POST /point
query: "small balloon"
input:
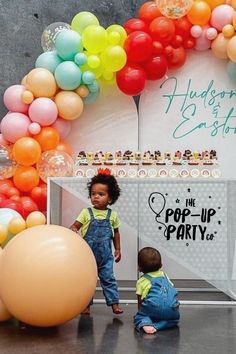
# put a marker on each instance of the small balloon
(35, 218)
(27, 97)
(80, 59)
(16, 225)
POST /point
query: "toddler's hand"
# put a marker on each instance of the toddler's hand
(117, 256)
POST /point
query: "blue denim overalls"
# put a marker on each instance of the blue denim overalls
(160, 308)
(99, 237)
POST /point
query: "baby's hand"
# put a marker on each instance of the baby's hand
(73, 228)
(117, 255)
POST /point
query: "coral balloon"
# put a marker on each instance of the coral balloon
(47, 264)
(55, 163)
(131, 79)
(13, 205)
(35, 218)
(70, 105)
(135, 24)
(174, 8)
(39, 196)
(12, 99)
(14, 126)
(25, 178)
(16, 225)
(5, 184)
(162, 29)
(26, 151)
(62, 146)
(28, 204)
(156, 67)
(63, 127)
(41, 83)
(48, 138)
(4, 313)
(43, 111)
(200, 13)
(148, 11)
(177, 59)
(138, 46)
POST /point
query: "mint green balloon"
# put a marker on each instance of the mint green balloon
(48, 60)
(68, 43)
(82, 20)
(68, 75)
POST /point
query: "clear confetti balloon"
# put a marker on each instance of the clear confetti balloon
(50, 33)
(174, 8)
(7, 165)
(55, 163)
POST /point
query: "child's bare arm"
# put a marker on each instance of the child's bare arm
(116, 242)
(139, 301)
(76, 226)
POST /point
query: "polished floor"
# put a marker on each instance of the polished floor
(203, 329)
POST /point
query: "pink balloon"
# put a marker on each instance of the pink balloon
(43, 111)
(221, 15)
(34, 128)
(211, 33)
(3, 141)
(12, 99)
(63, 127)
(196, 31)
(15, 126)
(202, 43)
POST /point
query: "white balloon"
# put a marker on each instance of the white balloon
(50, 33)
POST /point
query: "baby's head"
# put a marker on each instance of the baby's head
(108, 180)
(149, 260)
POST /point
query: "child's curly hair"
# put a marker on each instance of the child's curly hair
(149, 260)
(109, 180)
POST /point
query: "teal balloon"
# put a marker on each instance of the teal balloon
(68, 43)
(231, 70)
(80, 59)
(94, 87)
(92, 97)
(49, 61)
(88, 77)
(68, 75)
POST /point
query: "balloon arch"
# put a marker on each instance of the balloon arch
(77, 59)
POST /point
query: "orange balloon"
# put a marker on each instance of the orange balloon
(219, 46)
(48, 275)
(26, 151)
(26, 178)
(214, 3)
(62, 146)
(41, 83)
(200, 13)
(48, 138)
(70, 105)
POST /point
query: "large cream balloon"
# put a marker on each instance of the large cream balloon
(48, 275)
(4, 313)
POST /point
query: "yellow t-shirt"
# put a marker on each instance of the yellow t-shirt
(84, 218)
(143, 284)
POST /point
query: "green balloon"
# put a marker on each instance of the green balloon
(82, 20)
(68, 75)
(68, 43)
(49, 61)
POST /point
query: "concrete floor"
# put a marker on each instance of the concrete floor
(205, 329)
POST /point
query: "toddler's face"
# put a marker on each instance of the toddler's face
(99, 196)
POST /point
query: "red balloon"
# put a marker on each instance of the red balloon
(189, 43)
(2, 199)
(15, 205)
(138, 46)
(28, 205)
(177, 41)
(162, 29)
(135, 24)
(148, 11)
(156, 67)
(131, 79)
(39, 195)
(183, 27)
(168, 51)
(12, 191)
(177, 59)
(5, 184)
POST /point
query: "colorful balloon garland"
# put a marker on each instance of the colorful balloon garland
(77, 59)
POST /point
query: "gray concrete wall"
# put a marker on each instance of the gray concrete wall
(22, 23)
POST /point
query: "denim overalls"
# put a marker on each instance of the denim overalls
(160, 308)
(99, 237)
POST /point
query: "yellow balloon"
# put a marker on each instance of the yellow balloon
(27, 97)
(113, 58)
(16, 225)
(231, 49)
(41, 83)
(3, 233)
(95, 38)
(70, 105)
(119, 29)
(228, 31)
(48, 275)
(219, 46)
(35, 218)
